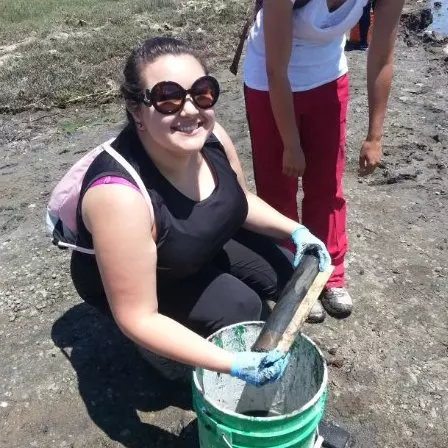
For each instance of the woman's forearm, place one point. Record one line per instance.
(379, 80)
(264, 219)
(278, 46)
(283, 107)
(166, 337)
(380, 62)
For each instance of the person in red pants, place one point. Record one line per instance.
(296, 95)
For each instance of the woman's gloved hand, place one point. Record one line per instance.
(304, 239)
(259, 369)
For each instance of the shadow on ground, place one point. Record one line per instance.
(115, 382)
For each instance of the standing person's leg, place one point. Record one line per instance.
(276, 189)
(323, 132)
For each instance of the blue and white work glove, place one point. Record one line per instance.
(259, 369)
(303, 240)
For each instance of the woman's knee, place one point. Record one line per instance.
(225, 301)
(241, 304)
(267, 266)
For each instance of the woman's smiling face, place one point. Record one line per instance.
(185, 131)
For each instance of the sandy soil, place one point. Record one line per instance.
(68, 378)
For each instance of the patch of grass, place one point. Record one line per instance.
(43, 16)
(57, 50)
(70, 125)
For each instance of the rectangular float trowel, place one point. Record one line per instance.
(284, 323)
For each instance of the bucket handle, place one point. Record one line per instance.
(317, 444)
(226, 441)
(319, 440)
(220, 430)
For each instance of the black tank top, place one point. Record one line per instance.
(189, 233)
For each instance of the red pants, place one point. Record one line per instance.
(321, 113)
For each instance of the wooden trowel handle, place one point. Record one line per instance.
(293, 306)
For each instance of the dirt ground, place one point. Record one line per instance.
(68, 378)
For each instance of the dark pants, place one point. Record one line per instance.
(230, 289)
(364, 22)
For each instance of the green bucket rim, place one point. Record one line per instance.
(305, 407)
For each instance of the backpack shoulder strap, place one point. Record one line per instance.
(61, 209)
(130, 169)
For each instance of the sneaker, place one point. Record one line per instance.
(317, 314)
(337, 302)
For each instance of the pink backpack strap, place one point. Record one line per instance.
(130, 169)
(114, 180)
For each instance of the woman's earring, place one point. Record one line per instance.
(139, 125)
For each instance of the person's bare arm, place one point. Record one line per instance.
(119, 220)
(277, 23)
(379, 79)
(261, 217)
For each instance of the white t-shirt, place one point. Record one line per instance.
(317, 55)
